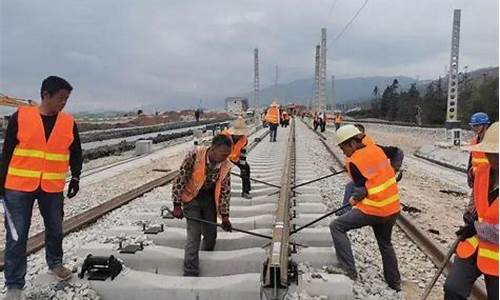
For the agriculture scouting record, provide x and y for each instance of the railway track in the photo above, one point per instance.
(431, 249)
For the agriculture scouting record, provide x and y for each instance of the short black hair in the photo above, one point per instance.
(53, 84)
(222, 140)
(360, 127)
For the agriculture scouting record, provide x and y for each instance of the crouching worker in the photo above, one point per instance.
(477, 253)
(375, 200)
(202, 190)
(239, 136)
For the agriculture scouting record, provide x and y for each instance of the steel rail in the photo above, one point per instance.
(275, 278)
(434, 252)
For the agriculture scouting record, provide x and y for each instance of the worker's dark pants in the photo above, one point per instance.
(202, 207)
(245, 176)
(273, 132)
(20, 207)
(462, 276)
(337, 126)
(382, 227)
(323, 126)
(315, 125)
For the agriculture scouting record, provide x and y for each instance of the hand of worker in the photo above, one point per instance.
(74, 187)
(177, 213)
(353, 202)
(466, 231)
(226, 224)
(359, 193)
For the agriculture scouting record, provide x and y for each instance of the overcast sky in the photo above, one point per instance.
(121, 54)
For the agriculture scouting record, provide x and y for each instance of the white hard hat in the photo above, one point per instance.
(346, 132)
(489, 144)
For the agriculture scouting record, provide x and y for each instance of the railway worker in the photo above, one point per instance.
(375, 199)
(322, 121)
(479, 123)
(477, 253)
(337, 120)
(315, 121)
(40, 144)
(202, 190)
(238, 134)
(273, 119)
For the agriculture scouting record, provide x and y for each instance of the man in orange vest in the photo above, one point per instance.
(477, 253)
(375, 199)
(238, 134)
(479, 122)
(273, 119)
(202, 190)
(337, 121)
(40, 144)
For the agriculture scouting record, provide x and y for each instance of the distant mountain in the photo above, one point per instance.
(355, 90)
(347, 91)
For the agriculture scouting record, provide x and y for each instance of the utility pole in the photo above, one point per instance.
(452, 122)
(322, 72)
(256, 99)
(333, 93)
(315, 102)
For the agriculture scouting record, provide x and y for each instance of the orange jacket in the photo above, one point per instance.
(236, 149)
(487, 253)
(383, 192)
(273, 115)
(367, 140)
(36, 161)
(337, 119)
(197, 179)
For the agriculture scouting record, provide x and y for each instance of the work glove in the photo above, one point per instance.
(359, 193)
(74, 187)
(177, 213)
(399, 175)
(466, 231)
(226, 224)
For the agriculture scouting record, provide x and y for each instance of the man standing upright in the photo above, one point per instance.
(238, 134)
(201, 190)
(479, 122)
(273, 119)
(40, 144)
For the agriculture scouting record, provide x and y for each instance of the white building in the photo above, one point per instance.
(236, 105)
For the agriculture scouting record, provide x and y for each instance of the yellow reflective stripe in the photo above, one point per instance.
(41, 154)
(480, 160)
(474, 241)
(29, 153)
(54, 176)
(58, 157)
(24, 173)
(380, 203)
(488, 253)
(381, 187)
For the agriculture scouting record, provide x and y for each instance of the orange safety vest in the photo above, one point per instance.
(337, 119)
(273, 115)
(367, 140)
(36, 161)
(477, 158)
(383, 193)
(487, 253)
(236, 149)
(197, 179)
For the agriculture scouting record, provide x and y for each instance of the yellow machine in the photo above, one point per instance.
(13, 102)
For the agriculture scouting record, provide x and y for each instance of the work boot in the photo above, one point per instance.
(353, 275)
(246, 195)
(14, 294)
(395, 286)
(62, 273)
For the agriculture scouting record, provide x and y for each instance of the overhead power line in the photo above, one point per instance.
(339, 35)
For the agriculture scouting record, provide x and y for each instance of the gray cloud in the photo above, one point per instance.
(126, 54)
